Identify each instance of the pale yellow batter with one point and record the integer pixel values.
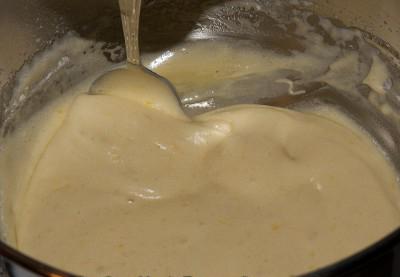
(122, 183)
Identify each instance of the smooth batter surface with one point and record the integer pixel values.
(121, 183)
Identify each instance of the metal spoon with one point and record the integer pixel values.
(130, 15)
(140, 81)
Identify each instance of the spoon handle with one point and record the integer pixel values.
(130, 14)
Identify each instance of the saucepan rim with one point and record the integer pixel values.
(336, 269)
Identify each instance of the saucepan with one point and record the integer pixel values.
(27, 27)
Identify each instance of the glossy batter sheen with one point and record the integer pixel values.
(123, 184)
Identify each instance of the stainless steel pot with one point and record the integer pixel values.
(29, 26)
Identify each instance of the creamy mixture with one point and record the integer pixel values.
(119, 179)
(122, 183)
